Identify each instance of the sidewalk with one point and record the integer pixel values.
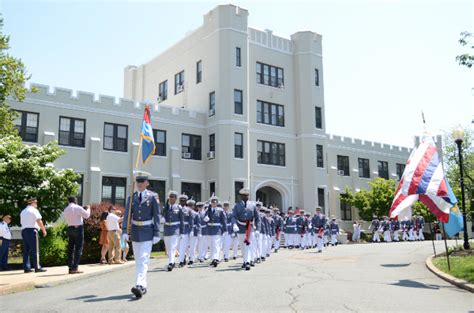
(17, 281)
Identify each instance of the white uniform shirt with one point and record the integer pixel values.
(5, 231)
(73, 214)
(112, 222)
(28, 217)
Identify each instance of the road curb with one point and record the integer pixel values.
(449, 278)
(9, 289)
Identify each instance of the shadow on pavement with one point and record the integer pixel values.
(83, 297)
(395, 265)
(94, 298)
(414, 284)
(229, 269)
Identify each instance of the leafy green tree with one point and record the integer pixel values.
(28, 171)
(466, 59)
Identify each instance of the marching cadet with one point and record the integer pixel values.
(217, 227)
(386, 230)
(318, 221)
(334, 230)
(173, 228)
(188, 221)
(244, 216)
(308, 235)
(395, 224)
(257, 248)
(300, 228)
(411, 230)
(271, 237)
(31, 223)
(278, 228)
(228, 239)
(5, 238)
(437, 231)
(264, 231)
(203, 243)
(290, 230)
(420, 224)
(375, 227)
(142, 215)
(195, 232)
(404, 226)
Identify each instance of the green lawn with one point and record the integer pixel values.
(461, 266)
(158, 254)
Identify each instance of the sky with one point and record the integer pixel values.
(384, 61)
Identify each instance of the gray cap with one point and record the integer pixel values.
(173, 193)
(244, 191)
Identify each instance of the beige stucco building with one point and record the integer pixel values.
(233, 107)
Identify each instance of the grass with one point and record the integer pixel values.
(461, 266)
(158, 254)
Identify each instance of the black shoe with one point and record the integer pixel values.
(170, 267)
(28, 271)
(247, 266)
(252, 264)
(190, 263)
(263, 259)
(268, 255)
(174, 265)
(201, 260)
(244, 265)
(257, 261)
(184, 261)
(181, 264)
(138, 291)
(290, 247)
(215, 263)
(234, 258)
(40, 270)
(276, 250)
(226, 260)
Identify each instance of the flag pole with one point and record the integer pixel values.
(432, 239)
(446, 246)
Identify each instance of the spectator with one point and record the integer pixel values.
(31, 222)
(5, 238)
(103, 239)
(357, 229)
(113, 235)
(74, 215)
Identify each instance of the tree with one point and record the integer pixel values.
(466, 59)
(378, 199)
(28, 171)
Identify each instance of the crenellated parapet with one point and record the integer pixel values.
(360, 144)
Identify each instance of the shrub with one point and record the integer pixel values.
(53, 247)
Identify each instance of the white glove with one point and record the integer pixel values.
(156, 240)
(235, 228)
(162, 220)
(125, 237)
(206, 219)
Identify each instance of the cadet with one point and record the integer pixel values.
(318, 221)
(290, 230)
(229, 240)
(404, 226)
(5, 238)
(386, 230)
(142, 215)
(244, 215)
(395, 224)
(420, 224)
(257, 248)
(188, 219)
(300, 228)
(334, 230)
(31, 222)
(375, 226)
(217, 227)
(278, 228)
(202, 241)
(173, 228)
(195, 232)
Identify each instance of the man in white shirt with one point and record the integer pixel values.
(31, 222)
(5, 238)
(113, 234)
(74, 215)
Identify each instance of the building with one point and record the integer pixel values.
(233, 107)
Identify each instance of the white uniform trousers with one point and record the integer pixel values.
(202, 247)
(386, 236)
(405, 236)
(333, 239)
(263, 252)
(439, 236)
(246, 249)
(193, 241)
(410, 235)
(269, 244)
(141, 252)
(325, 239)
(227, 241)
(183, 247)
(215, 242)
(396, 235)
(420, 235)
(235, 245)
(171, 243)
(258, 247)
(290, 239)
(319, 243)
(376, 236)
(276, 243)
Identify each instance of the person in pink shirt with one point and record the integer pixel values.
(74, 215)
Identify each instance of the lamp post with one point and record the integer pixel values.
(458, 135)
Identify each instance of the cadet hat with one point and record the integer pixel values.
(244, 191)
(173, 193)
(318, 208)
(275, 209)
(226, 203)
(141, 176)
(200, 204)
(213, 198)
(183, 197)
(191, 202)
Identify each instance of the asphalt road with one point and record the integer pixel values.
(348, 278)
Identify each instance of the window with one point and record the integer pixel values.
(383, 169)
(271, 153)
(80, 190)
(212, 142)
(238, 185)
(212, 188)
(270, 113)
(113, 190)
(238, 58)
(179, 82)
(72, 131)
(212, 103)
(160, 142)
(319, 117)
(191, 190)
(191, 147)
(27, 126)
(115, 137)
(238, 145)
(364, 168)
(198, 72)
(316, 77)
(238, 102)
(400, 170)
(158, 186)
(343, 165)
(163, 91)
(270, 75)
(319, 156)
(321, 198)
(346, 212)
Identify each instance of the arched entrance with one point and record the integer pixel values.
(272, 193)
